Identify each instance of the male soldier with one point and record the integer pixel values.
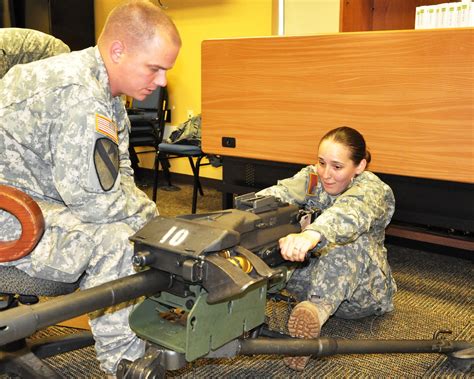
(26, 45)
(64, 137)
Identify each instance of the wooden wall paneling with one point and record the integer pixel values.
(409, 92)
(393, 15)
(356, 15)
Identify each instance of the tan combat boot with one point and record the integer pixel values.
(303, 323)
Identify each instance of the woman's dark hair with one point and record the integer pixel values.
(351, 138)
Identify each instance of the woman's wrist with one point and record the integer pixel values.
(312, 235)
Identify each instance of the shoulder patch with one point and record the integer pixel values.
(312, 184)
(106, 126)
(106, 161)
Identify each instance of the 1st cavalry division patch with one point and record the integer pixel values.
(107, 127)
(106, 161)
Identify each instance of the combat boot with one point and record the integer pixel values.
(303, 323)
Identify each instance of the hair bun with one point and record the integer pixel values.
(368, 156)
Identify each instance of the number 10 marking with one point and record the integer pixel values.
(175, 239)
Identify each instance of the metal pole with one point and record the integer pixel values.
(22, 321)
(325, 346)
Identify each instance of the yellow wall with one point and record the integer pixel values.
(197, 21)
(101, 10)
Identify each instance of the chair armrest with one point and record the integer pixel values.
(28, 213)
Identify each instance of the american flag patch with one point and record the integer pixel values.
(312, 184)
(105, 126)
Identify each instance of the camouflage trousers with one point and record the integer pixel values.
(346, 282)
(94, 253)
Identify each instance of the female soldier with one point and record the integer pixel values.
(351, 277)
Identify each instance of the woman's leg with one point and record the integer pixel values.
(344, 280)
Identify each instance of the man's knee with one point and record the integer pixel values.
(114, 235)
(112, 258)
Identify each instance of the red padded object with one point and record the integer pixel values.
(27, 211)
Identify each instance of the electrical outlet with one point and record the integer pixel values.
(190, 113)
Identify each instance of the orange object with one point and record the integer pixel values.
(28, 213)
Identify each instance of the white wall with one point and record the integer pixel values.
(311, 16)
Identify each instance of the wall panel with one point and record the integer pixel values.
(409, 92)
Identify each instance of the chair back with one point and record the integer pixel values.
(147, 119)
(153, 101)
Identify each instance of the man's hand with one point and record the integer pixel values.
(295, 246)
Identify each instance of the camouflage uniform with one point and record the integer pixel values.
(350, 275)
(64, 141)
(19, 46)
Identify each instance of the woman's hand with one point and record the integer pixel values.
(294, 246)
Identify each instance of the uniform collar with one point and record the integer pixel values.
(102, 75)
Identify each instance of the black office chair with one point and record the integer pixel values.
(185, 141)
(171, 150)
(147, 119)
(24, 356)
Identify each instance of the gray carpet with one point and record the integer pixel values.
(435, 292)
(177, 202)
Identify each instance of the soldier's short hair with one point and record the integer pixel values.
(139, 21)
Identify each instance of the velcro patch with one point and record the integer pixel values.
(106, 161)
(105, 126)
(312, 184)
